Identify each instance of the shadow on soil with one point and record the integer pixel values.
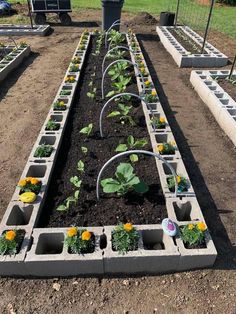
(10, 80)
(226, 251)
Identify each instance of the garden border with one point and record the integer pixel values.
(23, 30)
(30, 261)
(222, 106)
(214, 58)
(18, 56)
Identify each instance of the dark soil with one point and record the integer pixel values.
(142, 18)
(228, 87)
(189, 45)
(137, 208)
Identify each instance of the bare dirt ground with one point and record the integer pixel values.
(208, 154)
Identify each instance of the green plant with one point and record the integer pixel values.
(152, 97)
(80, 166)
(116, 54)
(79, 241)
(125, 238)
(118, 70)
(74, 68)
(193, 234)
(76, 60)
(158, 123)
(92, 93)
(65, 92)
(10, 241)
(123, 114)
(132, 144)
(52, 125)
(84, 150)
(30, 184)
(183, 184)
(167, 148)
(87, 130)
(59, 105)
(43, 151)
(116, 38)
(125, 181)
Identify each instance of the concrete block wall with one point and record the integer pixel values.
(213, 57)
(220, 103)
(18, 30)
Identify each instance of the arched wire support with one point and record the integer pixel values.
(117, 47)
(13, 41)
(109, 29)
(145, 152)
(114, 62)
(117, 96)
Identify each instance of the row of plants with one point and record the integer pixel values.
(9, 53)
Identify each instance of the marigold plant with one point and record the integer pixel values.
(183, 183)
(193, 234)
(167, 148)
(80, 241)
(125, 238)
(70, 79)
(158, 123)
(30, 184)
(59, 105)
(151, 97)
(9, 242)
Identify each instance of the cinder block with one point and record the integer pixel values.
(50, 257)
(196, 258)
(19, 30)
(164, 137)
(14, 265)
(163, 259)
(185, 209)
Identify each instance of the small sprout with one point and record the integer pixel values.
(80, 166)
(76, 181)
(52, 125)
(84, 149)
(87, 130)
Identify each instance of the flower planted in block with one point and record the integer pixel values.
(59, 105)
(183, 183)
(10, 242)
(80, 241)
(29, 189)
(193, 235)
(167, 148)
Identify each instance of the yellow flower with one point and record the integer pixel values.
(28, 179)
(173, 143)
(160, 148)
(61, 103)
(72, 232)
(34, 181)
(201, 226)
(72, 78)
(178, 178)
(128, 227)
(154, 93)
(147, 83)
(190, 226)
(162, 120)
(10, 235)
(27, 197)
(86, 235)
(22, 182)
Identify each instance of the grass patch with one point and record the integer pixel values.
(191, 13)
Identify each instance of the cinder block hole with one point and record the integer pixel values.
(213, 72)
(39, 161)
(212, 87)
(19, 215)
(225, 72)
(37, 171)
(47, 140)
(57, 117)
(66, 87)
(153, 239)
(208, 83)
(234, 118)
(50, 243)
(50, 133)
(152, 106)
(224, 101)
(167, 170)
(232, 112)
(199, 72)
(103, 241)
(161, 138)
(184, 211)
(219, 95)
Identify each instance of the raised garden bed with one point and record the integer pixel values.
(222, 103)
(23, 30)
(11, 57)
(185, 47)
(154, 252)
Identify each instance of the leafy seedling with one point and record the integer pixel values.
(132, 144)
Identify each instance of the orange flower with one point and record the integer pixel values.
(201, 226)
(162, 120)
(22, 182)
(28, 179)
(128, 227)
(72, 232)
(34, 181)
(86, 235)
(190, 226)
(10, 235)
